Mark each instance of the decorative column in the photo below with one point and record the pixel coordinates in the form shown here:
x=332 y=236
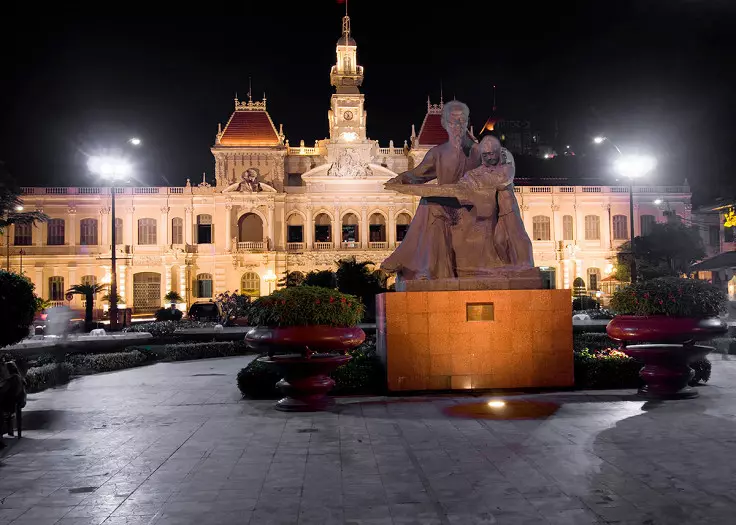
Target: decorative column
x=128 y=234
x=104 y=227
x=637 y=220
x=607 y=230
x=188 y=227
x=364 y=227
x=38 y=281
x=391 y=233
x=336 y=229
x=40 y=238
x=228 y=225
x=71 y=233
x=168 y=285
x=164 y=228
x=72 y=275
x=122 y=288
x=182 y=280
x=579 y=233
x=271 y=226
x=555 y=224
x=309 y=234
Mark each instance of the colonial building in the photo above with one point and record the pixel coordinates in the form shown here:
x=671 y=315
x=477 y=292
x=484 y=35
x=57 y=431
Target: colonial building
x=279 y=207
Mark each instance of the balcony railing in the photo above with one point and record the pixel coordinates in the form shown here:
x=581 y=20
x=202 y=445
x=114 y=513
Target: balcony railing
x=294 y=246
x=323 y=246
x=251 y=246
x=378 y=245
x=350 y=245
x=391 y=151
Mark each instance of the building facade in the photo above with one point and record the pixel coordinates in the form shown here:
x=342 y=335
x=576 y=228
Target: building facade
x=277 y=207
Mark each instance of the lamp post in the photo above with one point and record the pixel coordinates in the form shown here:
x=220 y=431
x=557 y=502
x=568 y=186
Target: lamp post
x=631 y=167
x=111 y=168
x=270 y=278
x=21 y=253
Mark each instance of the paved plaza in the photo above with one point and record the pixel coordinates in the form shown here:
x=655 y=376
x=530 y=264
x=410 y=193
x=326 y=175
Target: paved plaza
x=173 y=443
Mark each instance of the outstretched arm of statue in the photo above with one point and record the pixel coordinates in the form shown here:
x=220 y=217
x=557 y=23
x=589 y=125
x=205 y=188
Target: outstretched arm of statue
x=422 y=173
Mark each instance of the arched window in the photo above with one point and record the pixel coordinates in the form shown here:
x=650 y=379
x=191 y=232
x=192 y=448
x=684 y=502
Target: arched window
x=376 y=228
x=147 y=231
x=592 y=228
x=322 y=228
x=294 y=228
x=55 y=232
x=250 y=284
x=204 y=285
x=118 y=231
x=402 y=225
x=619 y=228
x=567 y=230
x=250 y=228
x=23 y=235
x=594 y=278
x=88 y=232
x=350 y=228
x=56 y=288
x=541 y=228
x=647 y=221
x=177 y=230
x=204 y=229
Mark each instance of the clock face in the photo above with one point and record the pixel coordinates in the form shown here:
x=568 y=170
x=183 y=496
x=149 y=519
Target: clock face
x=348 y=115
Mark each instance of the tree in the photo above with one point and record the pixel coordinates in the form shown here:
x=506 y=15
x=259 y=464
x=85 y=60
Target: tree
x=358 y=278
x=667 y=251
x=291 y=279
x=11 y=208
x=578 y=287
x=88 y=291
x=323 y=278
x=17 y=307
x=173 y=297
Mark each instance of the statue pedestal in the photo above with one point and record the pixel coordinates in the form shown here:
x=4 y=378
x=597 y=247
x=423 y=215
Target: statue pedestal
x=475 y=339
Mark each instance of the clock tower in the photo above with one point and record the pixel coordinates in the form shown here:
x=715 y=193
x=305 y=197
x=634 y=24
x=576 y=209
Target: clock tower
x=346 y=115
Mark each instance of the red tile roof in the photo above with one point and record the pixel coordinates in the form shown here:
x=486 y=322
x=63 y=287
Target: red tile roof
x=250 y=128
x=432 y=133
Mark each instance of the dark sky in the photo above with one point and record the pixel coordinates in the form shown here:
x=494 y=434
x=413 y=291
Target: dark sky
x=656 y=76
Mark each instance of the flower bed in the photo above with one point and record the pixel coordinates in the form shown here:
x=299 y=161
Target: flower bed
x=306 y=306
x=670 y=296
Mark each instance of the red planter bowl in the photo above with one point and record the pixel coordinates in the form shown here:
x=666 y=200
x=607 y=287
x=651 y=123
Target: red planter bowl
x=296 y=339
x=664 y=329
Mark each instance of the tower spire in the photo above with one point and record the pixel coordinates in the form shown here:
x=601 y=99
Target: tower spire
x=346 y=23
x=250 y=90
x=494 y=98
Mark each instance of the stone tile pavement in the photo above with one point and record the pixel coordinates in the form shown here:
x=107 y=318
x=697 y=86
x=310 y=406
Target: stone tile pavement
x=174 y=444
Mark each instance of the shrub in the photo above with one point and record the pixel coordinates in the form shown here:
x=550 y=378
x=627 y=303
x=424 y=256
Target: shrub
x=363 y=374
x=95 y=363
x=258 y=381
x=323 y=279
x=19 y=358
x=585 y=303
x=17 y=307
x=187 y=351
x=156 y=329
x=702 y=370
x=610 y=369
x=592 y=341
x=306 y=305
x=173 y=297
x=167 y=314
x=48 y=376
x=670 y=296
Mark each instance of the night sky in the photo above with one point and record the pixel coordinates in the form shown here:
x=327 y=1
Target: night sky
x=655 y=76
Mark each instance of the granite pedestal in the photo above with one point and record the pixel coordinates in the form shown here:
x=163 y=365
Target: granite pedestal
x=476 y=339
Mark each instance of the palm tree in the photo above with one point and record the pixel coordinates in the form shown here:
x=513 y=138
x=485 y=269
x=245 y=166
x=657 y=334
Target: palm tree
x=88 y=291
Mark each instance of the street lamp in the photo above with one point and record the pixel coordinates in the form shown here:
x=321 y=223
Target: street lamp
x=631 y=167
x=135 y=141
x=111 y=168
x=270 y=278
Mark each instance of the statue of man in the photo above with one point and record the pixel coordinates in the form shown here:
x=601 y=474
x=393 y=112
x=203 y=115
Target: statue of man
x=426 y=251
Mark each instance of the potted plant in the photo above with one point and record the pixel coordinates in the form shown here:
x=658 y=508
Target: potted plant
x=659 y=323
x=173 y=298
x=305 y=332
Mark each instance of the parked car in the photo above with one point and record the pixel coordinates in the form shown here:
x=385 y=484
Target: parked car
x=205 y=311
